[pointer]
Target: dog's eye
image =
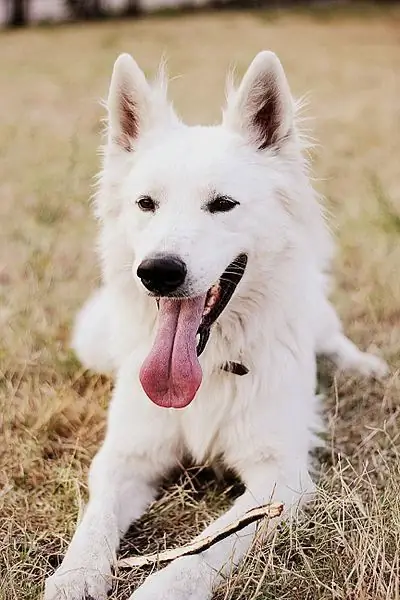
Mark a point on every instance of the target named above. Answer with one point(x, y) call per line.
point(146, 204)
point(221, 204)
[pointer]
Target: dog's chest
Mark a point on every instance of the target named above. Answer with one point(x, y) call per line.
point(205, 421)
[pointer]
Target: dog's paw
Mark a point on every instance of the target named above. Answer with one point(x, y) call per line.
point(77, 584)
point(184, 579)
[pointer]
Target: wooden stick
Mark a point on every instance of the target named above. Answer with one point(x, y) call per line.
point(255, 514)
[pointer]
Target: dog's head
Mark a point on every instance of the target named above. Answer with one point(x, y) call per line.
point(198, 209)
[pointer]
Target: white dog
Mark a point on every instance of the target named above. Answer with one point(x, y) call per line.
point(214, 250)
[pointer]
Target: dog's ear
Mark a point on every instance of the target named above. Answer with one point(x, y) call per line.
point(262, 107)
point(129, 102)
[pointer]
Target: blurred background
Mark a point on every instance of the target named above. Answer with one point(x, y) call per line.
point(20, 12)
point(56, 58)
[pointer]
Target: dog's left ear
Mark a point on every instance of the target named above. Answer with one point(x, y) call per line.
point(262, 107)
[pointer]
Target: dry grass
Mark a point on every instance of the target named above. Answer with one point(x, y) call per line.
point(52, 413)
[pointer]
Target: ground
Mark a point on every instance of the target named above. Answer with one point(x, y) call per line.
point(52, 413)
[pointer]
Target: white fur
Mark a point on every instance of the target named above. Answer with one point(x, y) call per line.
point(262, 424)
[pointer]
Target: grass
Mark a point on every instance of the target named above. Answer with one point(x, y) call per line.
point(52, 413)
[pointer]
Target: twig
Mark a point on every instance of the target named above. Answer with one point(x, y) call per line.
point(255, 514)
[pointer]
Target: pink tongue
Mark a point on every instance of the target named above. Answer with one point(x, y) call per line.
point(171, 374)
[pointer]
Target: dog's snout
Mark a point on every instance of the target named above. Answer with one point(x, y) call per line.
point(162, 274)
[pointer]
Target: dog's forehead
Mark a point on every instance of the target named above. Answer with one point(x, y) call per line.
point(199, 142)
point(191, 155)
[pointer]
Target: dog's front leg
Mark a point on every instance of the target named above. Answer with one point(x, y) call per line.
point(138, 449)
point(196, 577)
point(86, 568)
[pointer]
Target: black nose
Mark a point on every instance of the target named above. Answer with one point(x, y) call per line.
point(162, 275)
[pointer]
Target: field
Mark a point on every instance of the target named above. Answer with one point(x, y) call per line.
point(52, 413)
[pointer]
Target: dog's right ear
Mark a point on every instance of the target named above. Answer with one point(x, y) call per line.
point(129, 102)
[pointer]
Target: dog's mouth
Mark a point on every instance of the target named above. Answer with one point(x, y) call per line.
point(218, 296)
point(171, 374)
